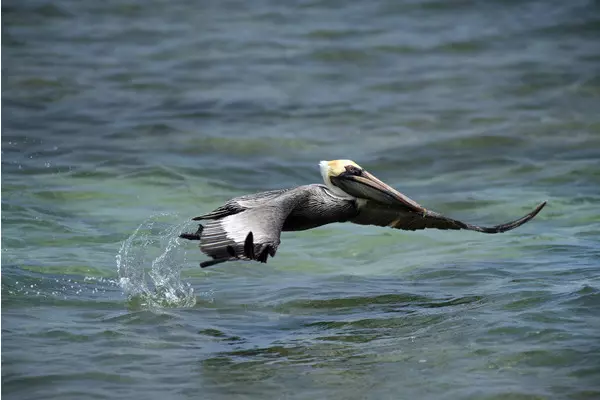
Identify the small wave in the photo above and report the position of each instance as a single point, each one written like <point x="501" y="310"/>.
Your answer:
<point x="149" y="265"/>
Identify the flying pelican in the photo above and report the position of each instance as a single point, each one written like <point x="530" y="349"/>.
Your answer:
<point x="249" y="227"/>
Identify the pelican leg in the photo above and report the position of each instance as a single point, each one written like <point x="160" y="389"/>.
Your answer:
<point x="193" y="236"/>
<point x="249" y="246"/>
<point x="264" y="253"/>
<point x="232" y="256"/>
<point x="209" y="263"/>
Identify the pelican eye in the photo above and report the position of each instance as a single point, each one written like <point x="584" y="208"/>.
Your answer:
<point x="352" y="170"/>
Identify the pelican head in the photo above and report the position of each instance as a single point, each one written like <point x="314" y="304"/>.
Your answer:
<point x="345" y="178"/>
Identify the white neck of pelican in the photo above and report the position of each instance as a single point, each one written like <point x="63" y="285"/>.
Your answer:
<point x="325" y="173"/>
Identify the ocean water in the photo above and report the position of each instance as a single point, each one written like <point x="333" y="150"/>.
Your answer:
<point x="122" y="120"/>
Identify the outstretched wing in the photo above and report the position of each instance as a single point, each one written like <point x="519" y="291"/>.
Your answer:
<point x="374" y="214"/>
<point x="242" y="203"/>
<point x="252" y="234"/>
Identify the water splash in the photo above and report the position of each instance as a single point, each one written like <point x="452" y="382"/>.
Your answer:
<point x="149" y="265"/>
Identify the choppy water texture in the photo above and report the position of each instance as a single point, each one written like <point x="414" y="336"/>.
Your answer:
<point x="121" y="120"/>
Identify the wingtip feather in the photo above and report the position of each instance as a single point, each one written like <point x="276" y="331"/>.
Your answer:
<point x="509" y="225"/>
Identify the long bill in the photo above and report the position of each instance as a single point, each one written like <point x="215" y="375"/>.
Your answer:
<point x="367" y="186"/>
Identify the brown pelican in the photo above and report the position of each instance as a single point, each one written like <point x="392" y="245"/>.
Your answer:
<point x="249" y="227"/>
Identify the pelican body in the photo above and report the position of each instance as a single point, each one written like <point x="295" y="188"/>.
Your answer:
<point x="249" y="227"/>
